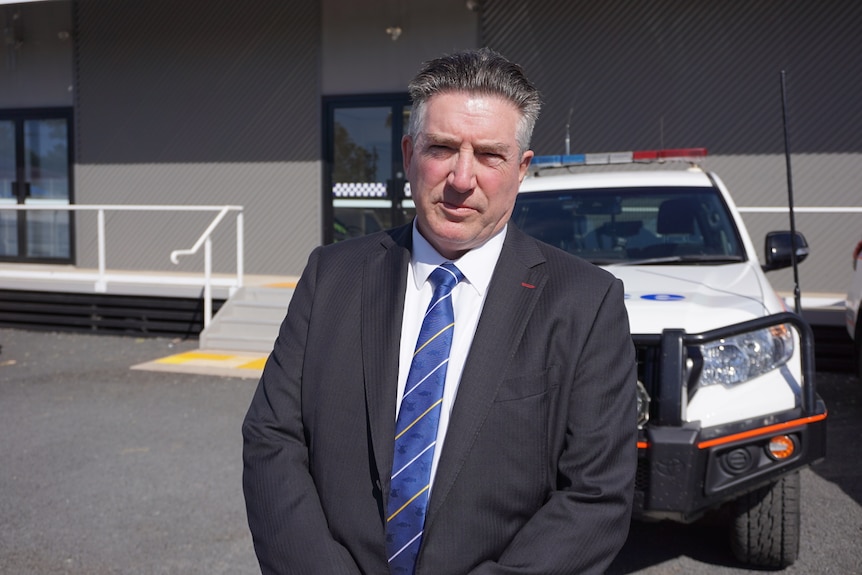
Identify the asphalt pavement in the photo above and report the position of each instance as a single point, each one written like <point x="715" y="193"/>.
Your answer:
<point x="112" y="470"/>
<point x="109" y="470"/>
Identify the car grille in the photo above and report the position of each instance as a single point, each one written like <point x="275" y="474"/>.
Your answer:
<point x="648" y="357"/>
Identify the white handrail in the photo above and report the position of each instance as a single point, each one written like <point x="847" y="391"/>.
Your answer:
<point x="205" y="239"/>
<point x="204" y="236"/>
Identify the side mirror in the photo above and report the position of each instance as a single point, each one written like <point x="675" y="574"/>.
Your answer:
<point x="779" y="250"/>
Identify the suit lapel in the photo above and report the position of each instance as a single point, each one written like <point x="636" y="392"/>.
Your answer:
<point x="514" y="290"/>
<point x="383" y="286"/>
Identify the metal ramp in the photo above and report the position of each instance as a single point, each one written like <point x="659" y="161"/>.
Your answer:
<point x="248" y="320"/>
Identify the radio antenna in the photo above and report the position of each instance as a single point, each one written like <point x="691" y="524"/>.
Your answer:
<point x="793" y="259"/>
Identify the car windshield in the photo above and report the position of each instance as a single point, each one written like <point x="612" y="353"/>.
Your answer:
<point x="633" y="225"/>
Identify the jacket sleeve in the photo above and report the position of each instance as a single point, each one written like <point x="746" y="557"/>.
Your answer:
<point x="285" y="516"/>
<point x="585" y="520"/>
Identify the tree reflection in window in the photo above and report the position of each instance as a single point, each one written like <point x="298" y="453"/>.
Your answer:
<point x="352" y="162"/>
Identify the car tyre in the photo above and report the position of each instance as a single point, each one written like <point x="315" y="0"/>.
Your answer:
<point x="765" y="528"/>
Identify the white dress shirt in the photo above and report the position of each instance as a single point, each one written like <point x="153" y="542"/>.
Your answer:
<point x="468" y="297"/>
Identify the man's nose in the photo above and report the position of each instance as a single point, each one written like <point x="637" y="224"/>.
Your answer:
<point x="463" y="176"/>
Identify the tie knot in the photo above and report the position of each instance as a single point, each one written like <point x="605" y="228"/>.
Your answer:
<point x="446" y="276"/>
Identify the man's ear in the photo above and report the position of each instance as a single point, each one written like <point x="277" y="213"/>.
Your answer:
<point x="526" y="158"/>
<point x="406" y="152"/>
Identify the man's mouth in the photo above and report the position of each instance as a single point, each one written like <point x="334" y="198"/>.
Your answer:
<point x="457" y="211"/>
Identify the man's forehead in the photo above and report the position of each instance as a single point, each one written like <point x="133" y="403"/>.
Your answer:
<point x="472" y="100"/>
<point x="443" y="121"/>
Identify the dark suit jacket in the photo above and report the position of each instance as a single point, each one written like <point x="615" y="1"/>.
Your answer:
<point x="538" y="467"/>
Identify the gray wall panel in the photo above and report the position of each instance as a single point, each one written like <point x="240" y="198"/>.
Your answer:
<point x="825" y="180"/>
<point x="36" y="55"/>
<point x="360" y="57"/>
<point x="201" y="102"/>
<point x="197" y="81"/>
<point x="679" y="73"/>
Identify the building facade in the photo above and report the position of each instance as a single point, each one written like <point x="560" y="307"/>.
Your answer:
<point x="295" y="109"/>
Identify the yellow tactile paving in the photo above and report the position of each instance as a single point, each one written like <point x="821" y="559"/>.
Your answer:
<point x="190" y="356"/>
<point x="254" y="364"/>
<point x="227" y="363"/>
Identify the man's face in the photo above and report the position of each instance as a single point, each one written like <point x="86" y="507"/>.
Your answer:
<point x="464" y="169"/>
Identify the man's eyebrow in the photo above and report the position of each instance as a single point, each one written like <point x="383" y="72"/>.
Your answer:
<point x="440" y="139"/>
<point x="483" y="147"/>
<point x="493" y="148"/>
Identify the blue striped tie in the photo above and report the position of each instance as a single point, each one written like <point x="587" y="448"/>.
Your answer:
<point x="416" y="428"/>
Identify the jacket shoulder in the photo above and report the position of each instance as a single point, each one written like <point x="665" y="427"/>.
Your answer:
<point x="354" y="248"/>
<point x="560" y="265"/>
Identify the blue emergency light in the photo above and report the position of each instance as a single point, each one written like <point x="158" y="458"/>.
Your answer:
<point x="641" y="156"/>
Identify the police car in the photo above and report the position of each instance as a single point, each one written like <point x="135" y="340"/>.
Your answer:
<point x="853" y="307"/>
<point x="728" y="411"/>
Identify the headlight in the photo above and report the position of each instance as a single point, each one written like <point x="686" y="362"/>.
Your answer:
<point x="743" y="357"/>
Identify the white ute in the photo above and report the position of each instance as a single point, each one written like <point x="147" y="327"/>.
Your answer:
<point x="728" y="411"/>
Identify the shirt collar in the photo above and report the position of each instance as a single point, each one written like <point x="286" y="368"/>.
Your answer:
<point x="477" y="265"/>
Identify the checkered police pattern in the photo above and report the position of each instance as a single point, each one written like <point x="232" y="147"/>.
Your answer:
<point x="359" y="190"/>
<point x="364" y="190"/>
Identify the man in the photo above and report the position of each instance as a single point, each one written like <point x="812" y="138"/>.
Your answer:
<point x="530" y="462"/>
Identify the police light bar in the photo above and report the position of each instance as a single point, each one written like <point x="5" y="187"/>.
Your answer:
<point x="642" y="156"/>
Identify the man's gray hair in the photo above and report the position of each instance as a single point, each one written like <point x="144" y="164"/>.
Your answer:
<point x="480" y="71"/>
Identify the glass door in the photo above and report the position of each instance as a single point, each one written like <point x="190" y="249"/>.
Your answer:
<point x="35" y="170"/>
<point x="364" y="184"/>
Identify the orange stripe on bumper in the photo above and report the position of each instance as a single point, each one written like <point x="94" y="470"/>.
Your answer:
<point x="762" y="431"/>
<point x="752" y="433"/>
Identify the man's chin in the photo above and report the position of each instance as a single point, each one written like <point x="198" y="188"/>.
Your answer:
<point x="455" y="246"/>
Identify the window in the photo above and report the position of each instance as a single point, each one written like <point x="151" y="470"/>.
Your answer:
<point x="624" y="225"/>
<point x="364" y="187"/>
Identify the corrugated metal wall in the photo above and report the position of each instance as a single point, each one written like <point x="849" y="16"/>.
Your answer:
<point x="658" y="73"/>
<point x="360" y="56"/>
<point x="199" y="102"/>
